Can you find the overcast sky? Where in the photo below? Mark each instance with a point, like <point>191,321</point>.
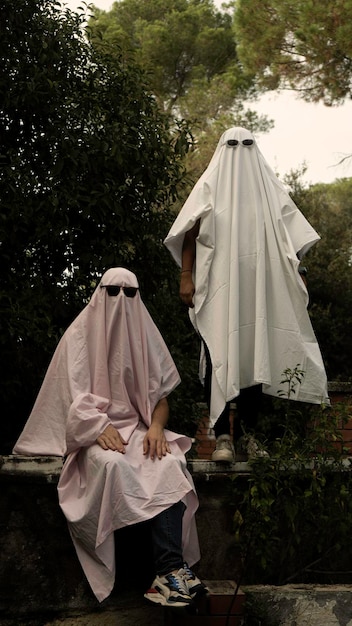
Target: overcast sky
<point>315,134</point>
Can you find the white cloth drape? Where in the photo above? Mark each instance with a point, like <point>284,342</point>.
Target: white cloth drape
<point>250,303</point>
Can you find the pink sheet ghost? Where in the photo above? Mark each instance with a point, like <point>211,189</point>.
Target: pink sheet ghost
<point>111,366</point>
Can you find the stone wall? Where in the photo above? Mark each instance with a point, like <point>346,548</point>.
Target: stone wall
<point>39,568</point>
<point>40,576</point>
<point>42,584</point>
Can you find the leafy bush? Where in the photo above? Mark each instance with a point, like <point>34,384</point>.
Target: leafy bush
<point>294,510</point>
<point>89,168</point>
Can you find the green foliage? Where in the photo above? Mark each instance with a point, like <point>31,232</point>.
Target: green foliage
<point>188,51</point>
<point>89,169</point>
<point>176,42</point>
<point>291,378</point>
<point>298,44</point>
<point>329,210</point>
<point>294,510</point>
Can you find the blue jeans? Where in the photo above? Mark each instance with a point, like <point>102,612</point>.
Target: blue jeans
<point>166,529</point>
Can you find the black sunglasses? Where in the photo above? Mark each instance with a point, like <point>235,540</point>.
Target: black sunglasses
<point>235,142</point>
<point>114,290</point>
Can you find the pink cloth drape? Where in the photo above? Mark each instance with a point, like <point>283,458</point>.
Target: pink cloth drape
<point>111,367</point>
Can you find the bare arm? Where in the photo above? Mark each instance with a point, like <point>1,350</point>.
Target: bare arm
<point>154,441</point>
<point>187,287</point>
<point>303,274</point>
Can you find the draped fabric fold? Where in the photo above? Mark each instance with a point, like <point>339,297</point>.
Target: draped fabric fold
<point>250,304</point>
<point>111,366</point>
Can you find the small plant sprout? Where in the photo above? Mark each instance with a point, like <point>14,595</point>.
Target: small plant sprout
<point>292,378</point>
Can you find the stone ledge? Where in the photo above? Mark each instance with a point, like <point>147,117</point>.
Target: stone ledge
<point>287,605</point>
<point>38,468</point>
<point>47,468</point>
<point>300,605</point>
<point>339,387</point>
<point>210,469</point>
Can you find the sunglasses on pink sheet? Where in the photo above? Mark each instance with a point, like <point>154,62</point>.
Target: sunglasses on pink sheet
<point>114,290</point>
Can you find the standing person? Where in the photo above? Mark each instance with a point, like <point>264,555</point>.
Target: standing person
<point>239,239</point>
<point>103,406</point>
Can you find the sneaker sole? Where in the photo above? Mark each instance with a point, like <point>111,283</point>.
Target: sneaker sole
<point>155,597</point>
<point>198,590</point>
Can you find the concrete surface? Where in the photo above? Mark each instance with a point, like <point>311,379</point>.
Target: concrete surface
<point>138,616</point>
<point>301,605</point>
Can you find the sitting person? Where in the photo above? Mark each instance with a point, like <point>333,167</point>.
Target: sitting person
<point>103,406</point>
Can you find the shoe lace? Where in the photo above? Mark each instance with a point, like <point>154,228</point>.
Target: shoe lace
<point>188,572</point>
<point>179,582</point>
<point>254,448</point>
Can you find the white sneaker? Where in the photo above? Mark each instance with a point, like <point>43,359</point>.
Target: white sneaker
<point>170,590</point>
<point>224,451</point>
<point>194,584</point>
<point>248,448</point>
